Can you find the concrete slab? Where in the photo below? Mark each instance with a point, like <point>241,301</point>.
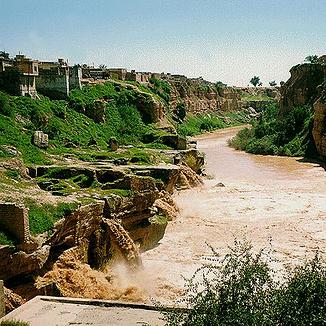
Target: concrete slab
<point>54,311</point>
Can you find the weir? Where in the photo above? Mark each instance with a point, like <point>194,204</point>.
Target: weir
<point>125,244</point>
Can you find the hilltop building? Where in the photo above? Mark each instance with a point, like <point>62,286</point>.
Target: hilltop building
<point>18,75</point>
<point>57,79</point>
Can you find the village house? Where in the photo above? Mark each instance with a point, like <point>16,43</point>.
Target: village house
<point>57,79</point>
<point>18,75</point>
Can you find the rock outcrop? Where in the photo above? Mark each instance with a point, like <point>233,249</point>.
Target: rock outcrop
<point>302,88</point>
<point>319,127</point>
<point>307,86</point>
<point>17,262</point>
<point>200,96</point>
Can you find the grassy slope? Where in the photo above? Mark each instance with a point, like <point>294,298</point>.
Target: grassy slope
<point>66,124</point>
<point>71,132</point>
<point>194,125</point>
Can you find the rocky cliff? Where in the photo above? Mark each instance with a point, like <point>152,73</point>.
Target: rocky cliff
<point>304,86</point>
<point>200,96</point>
<point>129,210</point>
<point>319,127</point>
<point>307,86</point>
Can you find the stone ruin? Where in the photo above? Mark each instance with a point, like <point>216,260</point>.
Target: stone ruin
<point>14,219</point>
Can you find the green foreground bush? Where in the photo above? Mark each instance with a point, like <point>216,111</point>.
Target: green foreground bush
<point>275,134</point>
<point>240,290</point>
<point>12,322</point>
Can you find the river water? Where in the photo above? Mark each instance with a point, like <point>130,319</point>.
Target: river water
<point>278,203</point>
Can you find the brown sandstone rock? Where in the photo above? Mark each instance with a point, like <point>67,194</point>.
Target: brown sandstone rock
<point>40,139</point>
<point>14,263</point>
<point>319,127</point>
<point>12,300</point>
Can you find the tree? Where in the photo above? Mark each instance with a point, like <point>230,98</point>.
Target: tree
<point>181,111</point>
<point>255,80</point>
<point>312,59</point>
<point>220,84</point>
<point>272,83</point>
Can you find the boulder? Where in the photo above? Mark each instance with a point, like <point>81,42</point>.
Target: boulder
<point>113,144</point>
<point>40,139</point>
<point>17,263</point>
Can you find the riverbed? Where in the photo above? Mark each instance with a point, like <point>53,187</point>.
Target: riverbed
<point>277,203</point>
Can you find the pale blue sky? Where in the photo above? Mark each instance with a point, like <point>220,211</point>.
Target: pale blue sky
<point>228,40</point>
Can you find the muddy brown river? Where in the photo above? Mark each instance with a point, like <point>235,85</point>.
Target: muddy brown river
<point>278,203</point>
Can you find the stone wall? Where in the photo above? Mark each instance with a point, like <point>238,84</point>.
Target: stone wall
<point>54,86</point>
<point>75,78</point>
<point>14,219</point>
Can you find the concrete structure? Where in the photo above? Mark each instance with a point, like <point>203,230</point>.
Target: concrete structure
<point>14,219</point>
<point>117,73</point>
<point>53,311</point>
<point>56,79</point>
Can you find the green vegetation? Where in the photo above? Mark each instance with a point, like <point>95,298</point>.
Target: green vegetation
<point>6,238</point>
<point>255,81</point>
<point>312,59</point>
<point>13,174</point>
<point>74,124</point>
<point>259,97</point>
<point>274,134</point>
<point>181,111</point>
<point>239,289</point>
<point>194,125</point>
<point>161,88</point>
<point>13,322</point>
<point>43,217</point>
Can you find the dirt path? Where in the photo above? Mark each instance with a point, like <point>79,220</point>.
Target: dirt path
<point>264,199</point>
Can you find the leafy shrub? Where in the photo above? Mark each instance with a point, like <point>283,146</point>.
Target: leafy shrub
<point>181,111</point>
<point>239,290</point>
<point>6,238</point>
<point>4,105</point>
<point>275,134</point>
<point>194,125</point>
<point>43,217</point>
<point>161,88</point>
<point>14,322</point>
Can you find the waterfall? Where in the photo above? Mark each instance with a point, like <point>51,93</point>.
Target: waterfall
<point>124,242</point>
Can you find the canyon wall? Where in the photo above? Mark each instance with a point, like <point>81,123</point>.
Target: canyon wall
<point>200,96</point>
<point>307,86</point>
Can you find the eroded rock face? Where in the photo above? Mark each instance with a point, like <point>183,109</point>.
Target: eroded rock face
<point>201,97</point>
<point>319,127</point>
<point>14,263</point>
<point>306,86</point>
<point>114,228</point>
<point>302,87</point>
<point>12,300</point>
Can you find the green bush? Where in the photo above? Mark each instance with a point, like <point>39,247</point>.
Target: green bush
<point>275,134</point>
<point>13,322</point>
<point>6,238</point>
<point>194,125</point>
<point>161,88</point>
<point>43,217</point>
<point>4,105</point>
<point>239,290</point>
<point>67,123</point>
